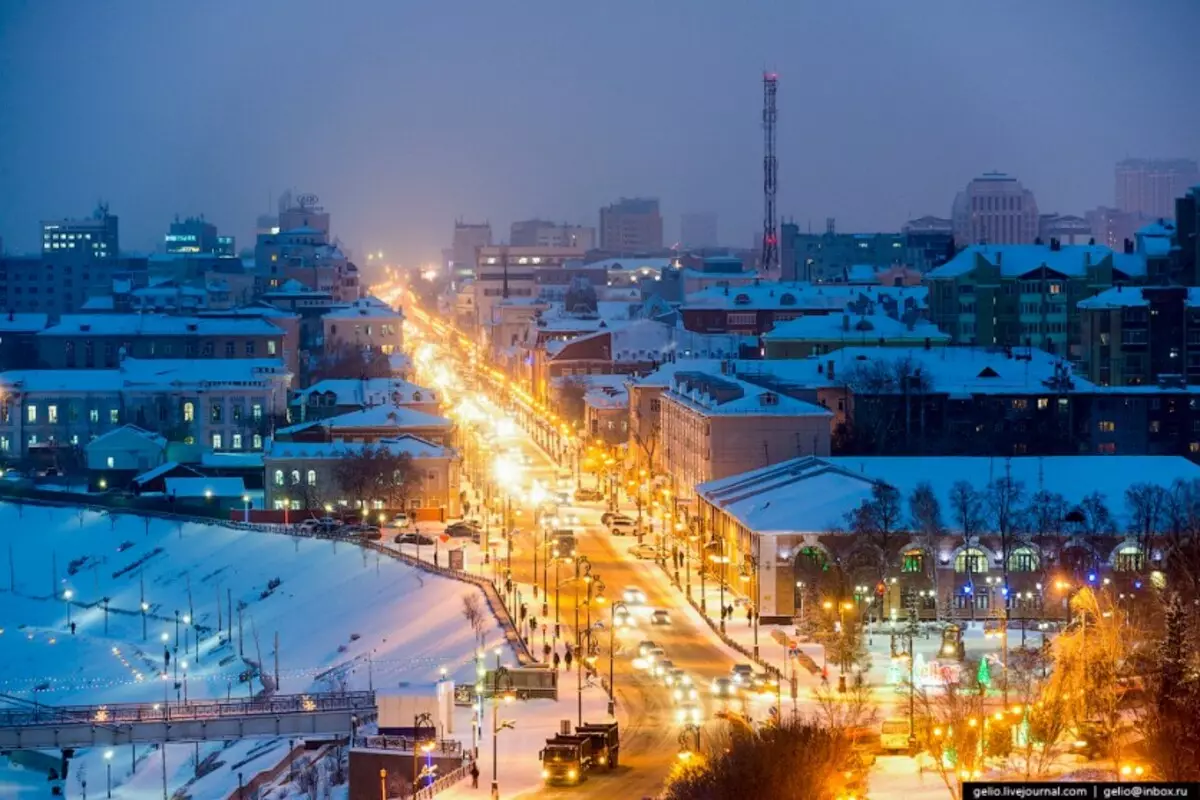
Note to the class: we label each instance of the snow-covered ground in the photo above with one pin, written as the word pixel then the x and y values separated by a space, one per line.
pixel 345 617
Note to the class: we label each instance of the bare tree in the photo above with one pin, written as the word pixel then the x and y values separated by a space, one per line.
pixel 1147 506
pixel 878 527
pixel 1181 557
pixel 925 519
pixel 949 728
pixel 1097 519
pixel 1004 498
pixel 472 612
pixel 966 505
pixel 1169 717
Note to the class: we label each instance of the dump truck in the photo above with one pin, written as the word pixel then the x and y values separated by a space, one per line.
pixel 606 742
pixel 566 759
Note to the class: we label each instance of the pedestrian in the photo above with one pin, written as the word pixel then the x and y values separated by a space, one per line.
pixel 474 775
pixel 557 661
pixel 568 658
pixel 749 616
pixel 545 651
pixel 524 611
pixel 72 628
pixel 729 611
pixel 435 560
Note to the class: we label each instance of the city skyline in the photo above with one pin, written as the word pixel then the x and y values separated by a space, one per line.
pixel 390 136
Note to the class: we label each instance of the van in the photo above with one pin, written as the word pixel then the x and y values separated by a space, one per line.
pixel 893 736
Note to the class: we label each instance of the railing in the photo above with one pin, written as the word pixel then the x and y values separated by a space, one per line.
pixel 449 747
pixel 443 783
pixel 125 713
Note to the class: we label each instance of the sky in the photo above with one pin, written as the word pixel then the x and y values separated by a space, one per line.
pixel 403 115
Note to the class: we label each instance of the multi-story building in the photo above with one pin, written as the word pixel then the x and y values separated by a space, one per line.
pixel 509 273
pixel 995 209
pixel 1065 228
pixel 788 532
pixel 222 404
pixel 540 233
pixel 1148 186
pixel 819 334
pixel 714 425
pixel 1112 227
pixel 304 475
pixel 18 339
pixel 99 341
pixel 366 324
pixel 1135 336
pixel 827 256
pixel 192 235
pixel 464 250
pixel 698 230
pixel 335 396
pixel 1020 295
pixel 82 240
pixel 928 242
pixel 631 225
pixel 371 424
pixel 226 245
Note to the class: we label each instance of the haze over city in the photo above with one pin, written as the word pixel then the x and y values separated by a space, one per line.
pixel 404 116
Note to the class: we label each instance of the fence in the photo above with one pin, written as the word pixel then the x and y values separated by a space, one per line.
pixel 443 783
pixel 406 744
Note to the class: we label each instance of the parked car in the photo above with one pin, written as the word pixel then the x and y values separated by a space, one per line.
pixel 463 530
pixel 412 538
pixel 646 552
pixel 633 595
pixel 368 532
pixel 588 495
pixel 401 520
pixel 607 516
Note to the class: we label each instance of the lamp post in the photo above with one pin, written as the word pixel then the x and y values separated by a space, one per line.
pixel 500 672
pixel 612 635
pixel 67 595
pixel 418 719
pixel 583 571
pixel 108 754
pixel 246 503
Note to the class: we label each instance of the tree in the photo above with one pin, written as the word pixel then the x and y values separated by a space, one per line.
pixel 948 727
pixel 1147 505
pixel 1181 557
pixel 883 392
pixel 798 760
pixel 925 519
pixel 345 360
pixel 967 507
pixel 1004 498
pixel 1097 519
pixel 1042 717
pixel 1169 717
pixel 376 473
pixel 877 526
pixel 571 392
pixel 472 612
pixel 1045 520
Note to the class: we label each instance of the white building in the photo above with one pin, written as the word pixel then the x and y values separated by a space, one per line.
pixel 127 448
pixel 368 323
pixel 995 209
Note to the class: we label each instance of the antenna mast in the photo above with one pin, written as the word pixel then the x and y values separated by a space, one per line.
pixel 770 242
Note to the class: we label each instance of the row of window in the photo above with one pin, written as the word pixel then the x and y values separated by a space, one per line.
pixel 216 412
pixel 974 561
pixel 207 350
pixel 311 477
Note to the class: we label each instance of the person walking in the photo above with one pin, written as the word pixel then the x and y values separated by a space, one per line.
pixel 749 617
pixel 474 775
pixel 545 651
pixel 557 661
pixel 569 657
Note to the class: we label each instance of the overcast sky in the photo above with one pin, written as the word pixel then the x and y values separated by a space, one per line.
pixel 403 115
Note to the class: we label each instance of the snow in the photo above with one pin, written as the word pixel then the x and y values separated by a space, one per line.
pixel 1134 296
pixel 1016 260
pixel 410 445
pixel 854 328
pixel 373 417
pixel 724 394
pixel 159 325
pixel 365 308
pixel 799 296
pixel 204 487
pixel 368 392
pixel 336 604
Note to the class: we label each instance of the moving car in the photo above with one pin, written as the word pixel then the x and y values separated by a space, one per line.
pixel 633 595
pixel 645 647
pixel 607 516
pixel 660 617
pixel 624 619
pixel 893 736
pixel 662 668
pixel 588 495
pixel 621 525
pixel 646 552
pixel 687 713
pixel 413 538
pixel 742 674
pixel 676 676
pixel 401 520
pixel 724 688
pixel 684 694
pixel 462 529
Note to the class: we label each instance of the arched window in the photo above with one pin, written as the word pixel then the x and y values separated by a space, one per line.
pixel 1129 559
pixel 913 561
pixel 189 411
pixel 416 397
pixel 1023 559
pixel 312 477
pixel 279 477
pixel 295 477
pixel 972 560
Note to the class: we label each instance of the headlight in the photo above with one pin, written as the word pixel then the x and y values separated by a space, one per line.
pixel 545 774
pixel 572 774
pixel 695 715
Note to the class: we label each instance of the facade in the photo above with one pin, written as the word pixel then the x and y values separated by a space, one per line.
pixel 18 339
pixel 631 225
pixel 1065 228
pixel 127 449
pixel 1019 295
pixel 336 396
pixel 1136 336
pixel 222 404
pixel 788 531
pixel 192 235
pixel 1148 186
pixel 303 475
pixel 83 240
pixel 698 230
pixel 98 341
pixel 540 233
pixel 828 256
pixel 509 273
pixel 370 425
pixel 63 281
pixel 366 324
pixel 995 209
pixel 464 250
pixel 816 335
pixel 714 425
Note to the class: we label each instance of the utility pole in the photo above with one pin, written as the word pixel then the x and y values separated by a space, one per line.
pixel 770 241
pixel 276 661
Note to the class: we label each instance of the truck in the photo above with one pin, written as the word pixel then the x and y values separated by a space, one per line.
pixel 564 542
pixel 566 759
pixel 606 742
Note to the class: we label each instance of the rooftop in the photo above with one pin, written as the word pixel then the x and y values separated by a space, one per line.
pixel 771 295
pixel 1015 260
pixel 413 446
pixel 384 416
pixel 369 392
pixel 204 487
pixel 150 374
pixel 159 325
pixel 1134 296
pixel 365 307
pixel 21 323
pixel 855 329
pixel 815 494
pixel 712 393
pixel 127 430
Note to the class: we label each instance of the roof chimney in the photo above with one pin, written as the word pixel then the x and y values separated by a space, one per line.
pixel 829 369
pixel 1128 246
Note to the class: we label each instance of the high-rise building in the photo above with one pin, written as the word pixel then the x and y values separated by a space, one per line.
pixel 1149 186
pixel 631 225
pixel 468 238
pixel 192 235
pixel 540 233
pixel 995 209
pixel 698 229
pixel 82 239
pixel 303 212
pixel 226 246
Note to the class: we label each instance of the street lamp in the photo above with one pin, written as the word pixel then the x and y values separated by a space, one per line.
pixel 612 633
pixel 246 503
pixel 108 754
pixel 583 571
pixel 67 595
pixel 427 719
pixel 500 672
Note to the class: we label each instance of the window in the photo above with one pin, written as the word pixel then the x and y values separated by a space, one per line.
pixel 1155 426
pixel 970 560
pixel 279 477
pixel 237 441
pixel 52 414
pixel 208 349
pixel 215 411
pixel 189 412
pixel 249 348
pixel 4 444
pixel 295 477
pixel 312 477
pixel 114 416
pixel 914 561
pixel 1107 448
pixel 271 346
pixel 1129 559
pixel 237 411
pixel 230 349
pixel 1108 426
pixel 216 441
pixel 111 462
pixel 1023 559
pixel 256 412
pixel 93 415
pixel 31 413
pixel 256 442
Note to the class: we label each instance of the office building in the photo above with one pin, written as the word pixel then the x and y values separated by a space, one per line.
pixel 631 225
pixel 1148 186
pixel 226 246
pixel 79 240
pixel 995 209
pixel 540 233
pixel 192 235
pixel 508 274
pixel 464 248
pixel 698 230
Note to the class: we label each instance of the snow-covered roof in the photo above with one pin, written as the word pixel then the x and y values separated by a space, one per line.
pixel 772 295
pixel 128 430
pixel 607 397
pixel 369 392
pixel 811 494
pixel 1161 228
pixel 104 302
pixel 644 340
pixel 716 394
pixel 231 460
pixel 204 487
pixel 1133 296
pixel 411 445
pixel 366 307
pixel 160 470
pixel 18 323
pixel 375 417
pixel 293 287
pixel 61 380
pixel 630 264
pixel 1016 260
pixel 854 328
pixel 159 325
pixel 172 372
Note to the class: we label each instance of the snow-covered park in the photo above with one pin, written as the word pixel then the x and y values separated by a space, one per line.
pixel 344 617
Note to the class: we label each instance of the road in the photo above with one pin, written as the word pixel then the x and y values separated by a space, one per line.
pixel 649 735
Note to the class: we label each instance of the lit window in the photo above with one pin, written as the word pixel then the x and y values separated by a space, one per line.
pixel 189 412
pixel 31 413
pixel 93 415
pixel 279 477
pixel 1023 559
pixel 256 442
pixel 1129 559
pixel 970 560
pixel 237 441
pixel 312 477
pixel 1108 426
pixel 914 561
pixel 52 414
pixel 4 445
pixel 256 411
pixel 114 416
pixel 112 462
pixel 216 441
pixel 295 477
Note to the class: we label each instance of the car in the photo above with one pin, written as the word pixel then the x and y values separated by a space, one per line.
pixel 462 530
pixel 654 654
pixel 563 497
pixel 330 522
pixel 368 532
pixel 633 595
pixel 688 714
pixel 606 516
pixel 724 688
pixel 676 676
pixel 684 694
pixel 588 495
pixel 413 538
pixel 742 674
pixel 310 524
pixel 662 668
pixel 622 526
pixel 624 619
pixel 401 520
pixel 645 552
pixel 568 519
pixel 645 647
pixel 660 617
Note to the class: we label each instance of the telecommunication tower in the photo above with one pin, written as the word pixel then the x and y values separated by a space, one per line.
pixel 770 242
